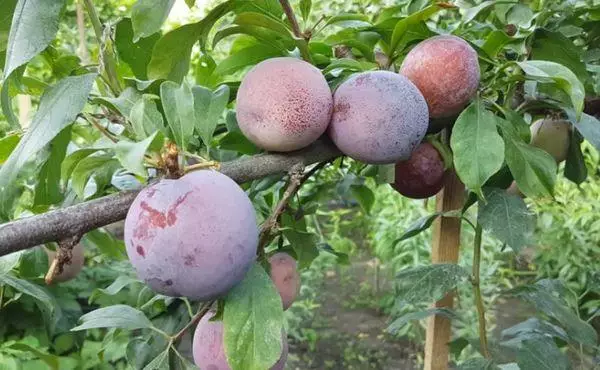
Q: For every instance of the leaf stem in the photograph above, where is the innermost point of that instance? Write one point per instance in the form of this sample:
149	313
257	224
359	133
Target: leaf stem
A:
1	296
201	312
477	291
301	39
106	60
100	128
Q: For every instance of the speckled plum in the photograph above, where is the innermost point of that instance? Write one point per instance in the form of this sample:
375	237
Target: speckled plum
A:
553	136
285	276
446	70
422	175
284	104
71	270
378	117
195	237
209	351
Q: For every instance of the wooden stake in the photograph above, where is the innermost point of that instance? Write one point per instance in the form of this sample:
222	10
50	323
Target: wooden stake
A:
445	245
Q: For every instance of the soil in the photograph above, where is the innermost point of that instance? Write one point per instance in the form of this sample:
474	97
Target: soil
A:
350	331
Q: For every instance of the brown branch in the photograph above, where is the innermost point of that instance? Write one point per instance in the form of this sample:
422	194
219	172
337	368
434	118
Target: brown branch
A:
289	13
83	217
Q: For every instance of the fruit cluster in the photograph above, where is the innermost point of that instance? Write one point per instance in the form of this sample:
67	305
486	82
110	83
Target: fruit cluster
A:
197	236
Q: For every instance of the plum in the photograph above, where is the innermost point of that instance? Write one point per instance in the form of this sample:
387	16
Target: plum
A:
196	236
285	276
71	270
209	351
379	117
284	104
446	70
553	136
422	175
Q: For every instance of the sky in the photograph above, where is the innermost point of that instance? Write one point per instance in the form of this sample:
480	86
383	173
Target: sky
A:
180	11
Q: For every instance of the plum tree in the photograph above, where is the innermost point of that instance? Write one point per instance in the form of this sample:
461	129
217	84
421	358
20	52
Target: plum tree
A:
71	270
284	104
379	117
446	70
196	236
285	276
422	175
553	136
208	348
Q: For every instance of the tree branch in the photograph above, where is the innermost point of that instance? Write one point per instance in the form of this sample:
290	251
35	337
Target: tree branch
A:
83	217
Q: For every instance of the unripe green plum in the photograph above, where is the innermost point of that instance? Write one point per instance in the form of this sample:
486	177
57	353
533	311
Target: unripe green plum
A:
70	270
195	237
553	136
209	349
379	117
446	71
285	276
284	104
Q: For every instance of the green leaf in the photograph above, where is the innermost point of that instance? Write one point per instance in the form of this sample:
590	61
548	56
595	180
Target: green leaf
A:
6	96
58	107
237	142
547	303
9	261
470	13
414	19
7	145
546	44
507	218
561	76
494	42
86	168
190	3
106	243
533	168
532	327
71	162
541	354
264	35
365	197
48	359
145	117
589	127
119	284
305	8
44	300
136	54
246	57
418	227
178	104
34	26
7	8
253	322
123	103
147	16
159	362
400	322
117	316
427	284
131	154
209	106
478	148
171	54
520	15
34	263
478	364
47	190
305	245
349	20
261	20
575	168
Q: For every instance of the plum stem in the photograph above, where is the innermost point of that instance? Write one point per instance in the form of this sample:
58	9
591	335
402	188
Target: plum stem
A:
477	291
63	256
202	166
199	315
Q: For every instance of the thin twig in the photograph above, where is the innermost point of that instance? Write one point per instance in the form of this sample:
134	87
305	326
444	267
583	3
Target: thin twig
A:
202	166
477	291
301	39
100	128
201	312
297	179
63	257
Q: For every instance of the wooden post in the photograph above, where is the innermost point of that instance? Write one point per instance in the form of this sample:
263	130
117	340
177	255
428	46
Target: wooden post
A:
445	245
